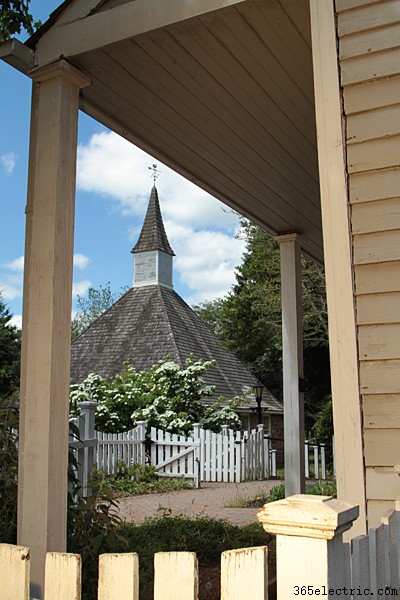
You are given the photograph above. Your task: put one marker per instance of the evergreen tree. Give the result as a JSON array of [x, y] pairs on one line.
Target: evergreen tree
[[248, 320], [10, 348]]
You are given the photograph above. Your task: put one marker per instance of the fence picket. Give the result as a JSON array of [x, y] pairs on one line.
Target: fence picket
[[176, 576], [316, 469], [387, 547], [118, 576], [63, 576], [360, 562], [239, 476], [244, 574], [15, 570]]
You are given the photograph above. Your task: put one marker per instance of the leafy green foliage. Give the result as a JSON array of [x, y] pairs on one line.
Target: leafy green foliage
[[93, 529], [139, 479], [167, 396], [15, 16], [92, 306], [323, 488], [10, 349], [92, 523], [8, 476]]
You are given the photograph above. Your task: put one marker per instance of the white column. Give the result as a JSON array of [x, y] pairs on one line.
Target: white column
[[310, 556], [347, 417], [292, 344], [46, 337]]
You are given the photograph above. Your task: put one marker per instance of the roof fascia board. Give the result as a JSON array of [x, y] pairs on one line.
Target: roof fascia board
[[17, 55], [117, 24], [79, 9]]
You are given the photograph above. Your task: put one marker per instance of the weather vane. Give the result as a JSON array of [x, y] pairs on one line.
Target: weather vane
[[154, 172]]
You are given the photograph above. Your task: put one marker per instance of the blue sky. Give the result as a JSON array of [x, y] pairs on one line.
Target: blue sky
[[113, 188]]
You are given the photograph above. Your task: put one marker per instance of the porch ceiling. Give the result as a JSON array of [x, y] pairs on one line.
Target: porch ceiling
[[226, 99]]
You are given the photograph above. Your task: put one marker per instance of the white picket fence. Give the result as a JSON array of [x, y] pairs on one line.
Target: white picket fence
[[311, 559], [175, 455], [229, 456], [205, 456], [127, 447]]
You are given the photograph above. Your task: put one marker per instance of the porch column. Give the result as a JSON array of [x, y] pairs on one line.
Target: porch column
[[46, 337], [292, 345], [339, 270]]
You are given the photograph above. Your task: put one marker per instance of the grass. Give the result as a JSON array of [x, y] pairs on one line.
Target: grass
[[319, 488]]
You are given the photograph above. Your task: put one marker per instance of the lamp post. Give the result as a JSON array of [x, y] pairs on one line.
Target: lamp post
[[258, 392]]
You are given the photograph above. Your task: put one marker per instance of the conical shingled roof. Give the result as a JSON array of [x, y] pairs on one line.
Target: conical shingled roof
[[149, 324], [153, 236]]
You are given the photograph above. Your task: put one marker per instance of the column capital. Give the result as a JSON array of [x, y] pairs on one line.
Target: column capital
[[288, 237], [304, 515], [63, 69]]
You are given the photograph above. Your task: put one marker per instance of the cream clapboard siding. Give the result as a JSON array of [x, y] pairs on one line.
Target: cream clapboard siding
[[369, 50]]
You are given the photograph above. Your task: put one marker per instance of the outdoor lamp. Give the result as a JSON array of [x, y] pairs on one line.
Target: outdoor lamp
[[258, 392]]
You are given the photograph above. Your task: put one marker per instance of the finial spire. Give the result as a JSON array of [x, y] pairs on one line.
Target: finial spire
[[154, 172]]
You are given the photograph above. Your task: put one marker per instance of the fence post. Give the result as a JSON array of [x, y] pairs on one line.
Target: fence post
[[316, 465], [141, 437], [198, 455], [86, 452], [309, 546], [273, 463], [306, 460], [323, 462]]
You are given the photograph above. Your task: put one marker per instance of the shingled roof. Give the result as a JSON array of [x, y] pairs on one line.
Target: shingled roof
[[149, 324], [153, 236]]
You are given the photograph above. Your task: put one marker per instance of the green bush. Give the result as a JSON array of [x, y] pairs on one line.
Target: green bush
[[8, 476], [139, 479], [323, 488]]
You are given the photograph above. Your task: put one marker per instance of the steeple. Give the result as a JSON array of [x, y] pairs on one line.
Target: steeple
[[153, 254]]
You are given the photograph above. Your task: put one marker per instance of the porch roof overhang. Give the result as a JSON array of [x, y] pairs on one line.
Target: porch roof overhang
[[219, 90]]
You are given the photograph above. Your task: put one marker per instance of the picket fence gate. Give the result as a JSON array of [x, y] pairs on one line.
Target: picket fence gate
[[311, 559], [205, 456], [229, 456]]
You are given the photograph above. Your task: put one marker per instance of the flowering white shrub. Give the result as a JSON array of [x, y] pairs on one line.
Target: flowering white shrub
[[168, 397]]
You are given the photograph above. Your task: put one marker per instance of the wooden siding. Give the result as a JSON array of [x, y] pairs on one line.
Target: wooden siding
[[369, 51]]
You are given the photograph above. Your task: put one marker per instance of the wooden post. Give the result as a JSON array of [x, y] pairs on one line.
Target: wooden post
[[292, 341], [46, 336], [309, 549], [347, 418], [86, 453]]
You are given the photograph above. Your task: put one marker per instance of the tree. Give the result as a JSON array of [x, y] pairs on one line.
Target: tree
[[90, 308], [167, 396], [248, 320], [15, 16], [10, 350]]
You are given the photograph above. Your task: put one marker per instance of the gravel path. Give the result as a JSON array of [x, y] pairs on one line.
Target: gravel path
[[209, 500]]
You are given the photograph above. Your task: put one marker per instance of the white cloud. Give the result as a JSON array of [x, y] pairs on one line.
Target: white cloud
[[112, 167], [79, 288], [200, 228], [10, 290], [15, 265], [81, 261], [16, 320], [8, 162], [206, 261]]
